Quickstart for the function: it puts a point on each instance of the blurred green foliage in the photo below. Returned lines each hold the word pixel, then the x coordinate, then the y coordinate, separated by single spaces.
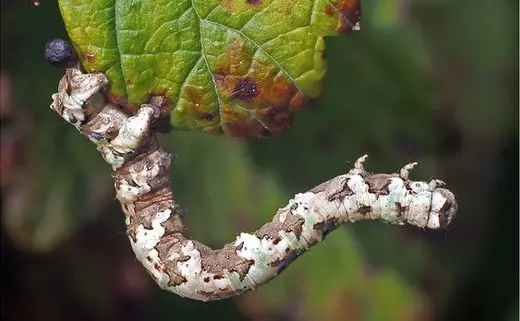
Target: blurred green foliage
pixel 432 81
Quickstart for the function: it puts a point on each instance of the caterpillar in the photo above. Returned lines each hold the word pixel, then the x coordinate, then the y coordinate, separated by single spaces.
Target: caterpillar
pixel 154 221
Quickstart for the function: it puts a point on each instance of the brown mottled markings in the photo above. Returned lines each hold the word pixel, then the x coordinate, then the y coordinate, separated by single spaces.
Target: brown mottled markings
pixel 327 226
pixel 401 210
pixel 293 223
pixel 208 294
pixel 284 262
pixel 339 186
pixel 364 209
pixel 216 261
pixel 184 258
pixel 378 183
pixel 175 279
pixel 274 118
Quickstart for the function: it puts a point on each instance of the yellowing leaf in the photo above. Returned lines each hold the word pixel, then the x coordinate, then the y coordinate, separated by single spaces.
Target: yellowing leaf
pixel 236 66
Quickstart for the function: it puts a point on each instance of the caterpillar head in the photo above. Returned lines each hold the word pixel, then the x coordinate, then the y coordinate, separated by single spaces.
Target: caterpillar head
pixel 443 209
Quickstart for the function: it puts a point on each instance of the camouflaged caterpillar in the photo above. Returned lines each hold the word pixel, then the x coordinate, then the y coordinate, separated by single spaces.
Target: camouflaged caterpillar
pixel 188 268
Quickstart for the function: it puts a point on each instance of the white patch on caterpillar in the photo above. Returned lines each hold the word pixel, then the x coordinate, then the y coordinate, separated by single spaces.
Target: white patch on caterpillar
pixel 419 203
pixel 387 204
pixel 138 185
pixel 127 192
pixel 154 265
pixel 199 284
pixel 147 239
pixel 307 209
pixel 433 221
pixel 262 253
pixel 145 175
pixel 133 131
pixel 438 201
pixel 110 157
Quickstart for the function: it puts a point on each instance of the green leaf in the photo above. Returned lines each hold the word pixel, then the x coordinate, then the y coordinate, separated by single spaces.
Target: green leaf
pixel 235 66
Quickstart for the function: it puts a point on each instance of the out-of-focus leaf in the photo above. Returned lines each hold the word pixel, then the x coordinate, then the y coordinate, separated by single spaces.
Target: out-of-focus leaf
pixel 235 66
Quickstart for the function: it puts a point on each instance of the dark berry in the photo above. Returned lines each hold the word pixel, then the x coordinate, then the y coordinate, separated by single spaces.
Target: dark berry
pixel 60 53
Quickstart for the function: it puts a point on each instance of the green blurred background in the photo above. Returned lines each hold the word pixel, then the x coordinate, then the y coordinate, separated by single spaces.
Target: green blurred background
pixel 425 80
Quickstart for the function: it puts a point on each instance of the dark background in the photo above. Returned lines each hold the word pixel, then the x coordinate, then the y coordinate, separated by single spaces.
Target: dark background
pixel 432 81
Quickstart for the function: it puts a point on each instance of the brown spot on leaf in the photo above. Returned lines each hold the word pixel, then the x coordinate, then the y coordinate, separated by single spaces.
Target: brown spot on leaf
pixel 90 57
pixel 329 9
pixel 254 2
pixel 246 89
pixel 275 118
pixel 117 99
pixel 239 122
pixel 350 15
pixel 255 100
pixel 194 94
pixel 208 116
pixel 300 101
pixel 235 59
